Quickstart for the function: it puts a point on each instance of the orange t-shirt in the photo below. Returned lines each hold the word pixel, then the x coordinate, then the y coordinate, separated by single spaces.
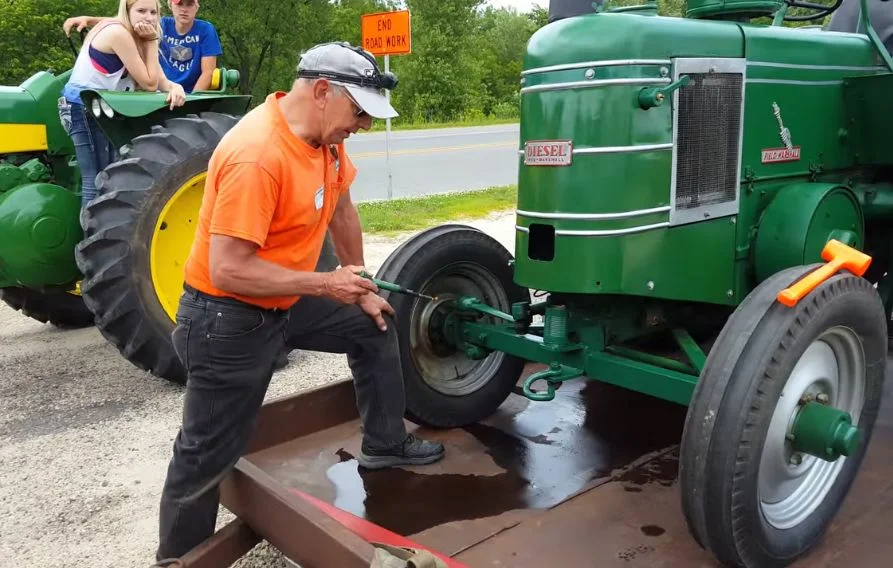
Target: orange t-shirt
pixel 268 186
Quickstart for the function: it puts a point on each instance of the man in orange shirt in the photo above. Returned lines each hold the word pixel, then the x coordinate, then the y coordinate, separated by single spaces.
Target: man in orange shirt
pixel 276 183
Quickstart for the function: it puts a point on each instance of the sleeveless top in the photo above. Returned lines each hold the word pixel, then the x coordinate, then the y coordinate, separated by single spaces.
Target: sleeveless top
pixel 94 69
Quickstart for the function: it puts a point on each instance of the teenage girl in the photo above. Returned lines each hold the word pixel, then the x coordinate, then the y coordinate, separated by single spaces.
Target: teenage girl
pixel 119 54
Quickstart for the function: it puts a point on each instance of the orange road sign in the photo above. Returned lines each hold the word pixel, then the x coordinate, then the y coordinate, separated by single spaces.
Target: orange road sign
pixel 387 33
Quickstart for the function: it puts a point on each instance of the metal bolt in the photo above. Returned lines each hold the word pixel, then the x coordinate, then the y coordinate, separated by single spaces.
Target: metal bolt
pixel 732 221
pixel 664 71
pixel 713 69
pixel 822 397
pixel 590 73
pixel 806 398
pixel 650 285
pixel 730 293
pixel 796 459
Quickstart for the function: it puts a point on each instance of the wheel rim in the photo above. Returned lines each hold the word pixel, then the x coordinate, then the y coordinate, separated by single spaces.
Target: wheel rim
pixel 834 364
pixel 172 240
pixel 441 366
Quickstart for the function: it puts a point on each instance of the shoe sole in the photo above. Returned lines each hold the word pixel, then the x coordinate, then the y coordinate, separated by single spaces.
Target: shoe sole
pixel 379 462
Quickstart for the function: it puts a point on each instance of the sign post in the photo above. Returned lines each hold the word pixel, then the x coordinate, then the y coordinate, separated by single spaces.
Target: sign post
pixel 386 34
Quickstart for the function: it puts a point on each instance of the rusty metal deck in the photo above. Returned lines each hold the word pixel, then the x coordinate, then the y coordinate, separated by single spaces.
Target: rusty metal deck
pixel 585 480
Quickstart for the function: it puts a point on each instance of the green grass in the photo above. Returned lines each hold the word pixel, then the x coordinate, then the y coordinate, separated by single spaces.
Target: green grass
pixel 407 214
pixel 396 124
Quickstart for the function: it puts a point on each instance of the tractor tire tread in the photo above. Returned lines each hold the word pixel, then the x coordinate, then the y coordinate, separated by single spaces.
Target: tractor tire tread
pixel 752 358
pixel 113 256
pixel 412 261
pixel 59 309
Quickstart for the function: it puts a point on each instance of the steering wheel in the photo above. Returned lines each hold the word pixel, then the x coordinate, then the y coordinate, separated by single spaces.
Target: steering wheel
pixel 77 49
pixel 823 10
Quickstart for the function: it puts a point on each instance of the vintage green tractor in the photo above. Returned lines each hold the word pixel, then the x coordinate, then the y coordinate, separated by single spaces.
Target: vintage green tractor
pixel 699 199
pixel 118 263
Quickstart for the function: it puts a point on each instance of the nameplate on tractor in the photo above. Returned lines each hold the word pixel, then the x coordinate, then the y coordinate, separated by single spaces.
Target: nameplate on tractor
pixel 775 155
pixel 548 152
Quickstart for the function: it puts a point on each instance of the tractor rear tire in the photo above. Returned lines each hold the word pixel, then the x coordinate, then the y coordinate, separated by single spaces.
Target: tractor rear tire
pixel 132 268
pixel 61 309
pixel 750 496
pixel 444 388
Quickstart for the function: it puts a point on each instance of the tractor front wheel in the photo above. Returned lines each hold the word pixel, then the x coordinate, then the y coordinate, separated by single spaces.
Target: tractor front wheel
pixel 62 309
pixel 138 233
pixel 444 388
pixel 780 419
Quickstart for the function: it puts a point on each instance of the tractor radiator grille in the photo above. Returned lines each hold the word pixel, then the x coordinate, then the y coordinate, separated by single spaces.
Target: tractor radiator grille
pixel 707 137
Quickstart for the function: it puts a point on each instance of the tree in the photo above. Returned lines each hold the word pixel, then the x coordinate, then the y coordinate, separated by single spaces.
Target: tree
pixel 31 36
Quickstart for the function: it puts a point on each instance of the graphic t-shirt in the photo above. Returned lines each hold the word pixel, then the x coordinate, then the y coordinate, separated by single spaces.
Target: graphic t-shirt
pixel 181 55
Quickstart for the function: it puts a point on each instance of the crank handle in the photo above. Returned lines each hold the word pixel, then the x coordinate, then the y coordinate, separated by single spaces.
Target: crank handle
pixel 655 96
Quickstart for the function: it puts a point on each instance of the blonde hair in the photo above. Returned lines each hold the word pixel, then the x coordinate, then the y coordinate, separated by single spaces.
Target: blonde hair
pixel 123 16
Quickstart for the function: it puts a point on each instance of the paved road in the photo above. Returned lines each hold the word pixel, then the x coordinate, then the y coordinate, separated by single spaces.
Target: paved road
pixel 434 161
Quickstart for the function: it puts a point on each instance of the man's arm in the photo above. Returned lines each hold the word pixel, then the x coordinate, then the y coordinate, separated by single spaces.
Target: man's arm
pixel 203 83
pixel 246 200
pixel 235 267
pixel 210 50
pixel 347 233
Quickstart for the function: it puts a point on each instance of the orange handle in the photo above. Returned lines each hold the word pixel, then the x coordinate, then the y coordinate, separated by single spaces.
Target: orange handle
pixel 790 296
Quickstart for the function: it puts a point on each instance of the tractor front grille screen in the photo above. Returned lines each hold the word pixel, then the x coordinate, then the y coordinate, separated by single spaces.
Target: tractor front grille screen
pixel 708 132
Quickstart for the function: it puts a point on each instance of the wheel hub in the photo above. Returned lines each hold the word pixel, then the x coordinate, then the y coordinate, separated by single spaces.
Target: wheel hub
pixel 824 432
pixel 443 366
pixel 812 431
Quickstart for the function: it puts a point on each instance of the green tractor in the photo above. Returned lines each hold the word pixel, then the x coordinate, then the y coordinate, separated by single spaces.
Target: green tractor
pixel 704 215
pixel 123 271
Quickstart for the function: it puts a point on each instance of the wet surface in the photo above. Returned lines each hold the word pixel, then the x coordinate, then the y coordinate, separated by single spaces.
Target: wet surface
pixel 588 479
pixel 546 451
pixel 652 530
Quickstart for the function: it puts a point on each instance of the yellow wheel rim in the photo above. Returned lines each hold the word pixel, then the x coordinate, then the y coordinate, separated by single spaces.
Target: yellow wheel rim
pixel 172 241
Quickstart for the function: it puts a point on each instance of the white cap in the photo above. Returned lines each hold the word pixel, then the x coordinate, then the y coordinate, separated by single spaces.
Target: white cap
pixel 352 68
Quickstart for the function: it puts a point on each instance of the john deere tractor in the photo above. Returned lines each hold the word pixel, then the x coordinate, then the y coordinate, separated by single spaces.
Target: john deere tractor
pixel 704 215
pixel 123 270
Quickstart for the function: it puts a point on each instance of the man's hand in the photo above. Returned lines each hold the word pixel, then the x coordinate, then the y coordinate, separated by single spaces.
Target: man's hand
pixel 346 286
pixel 374 305
pixel 176 96
pixel 79 22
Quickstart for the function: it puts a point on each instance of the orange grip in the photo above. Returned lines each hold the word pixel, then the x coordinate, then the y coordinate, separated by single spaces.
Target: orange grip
pixel 838 256
pixel 790 296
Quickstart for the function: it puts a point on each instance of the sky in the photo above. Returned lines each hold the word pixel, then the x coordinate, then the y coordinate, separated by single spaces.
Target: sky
pixel 520 5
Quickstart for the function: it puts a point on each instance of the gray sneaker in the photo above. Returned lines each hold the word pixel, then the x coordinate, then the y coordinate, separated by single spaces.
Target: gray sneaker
pixel 413 451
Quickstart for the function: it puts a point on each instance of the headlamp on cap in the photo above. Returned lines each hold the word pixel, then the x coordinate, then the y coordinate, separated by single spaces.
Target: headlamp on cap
pixel 373 79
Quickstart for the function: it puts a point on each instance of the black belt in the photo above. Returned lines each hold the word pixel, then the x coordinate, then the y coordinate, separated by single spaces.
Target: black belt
pixel 196 294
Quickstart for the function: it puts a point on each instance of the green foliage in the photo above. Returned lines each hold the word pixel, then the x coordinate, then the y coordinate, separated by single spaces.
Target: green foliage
pixel 464 68
pixel 31 36
pixel 420 212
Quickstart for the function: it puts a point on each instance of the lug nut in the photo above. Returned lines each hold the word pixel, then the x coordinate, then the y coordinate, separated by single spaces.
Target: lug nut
pixel 796 459
pixel 822 397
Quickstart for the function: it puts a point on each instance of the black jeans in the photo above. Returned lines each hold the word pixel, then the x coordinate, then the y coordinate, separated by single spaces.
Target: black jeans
pixel 229 351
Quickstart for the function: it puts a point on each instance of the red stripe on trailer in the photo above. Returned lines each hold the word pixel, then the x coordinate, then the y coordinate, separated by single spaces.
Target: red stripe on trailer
pixel 372 532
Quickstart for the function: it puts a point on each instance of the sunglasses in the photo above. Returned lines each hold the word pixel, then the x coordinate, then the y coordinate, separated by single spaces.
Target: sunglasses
pixel 360 113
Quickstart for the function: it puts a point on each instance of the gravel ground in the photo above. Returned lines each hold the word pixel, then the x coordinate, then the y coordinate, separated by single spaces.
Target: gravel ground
pixel 85 438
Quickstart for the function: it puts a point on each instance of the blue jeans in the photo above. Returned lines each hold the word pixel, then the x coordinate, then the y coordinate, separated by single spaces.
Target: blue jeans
pixel 93 150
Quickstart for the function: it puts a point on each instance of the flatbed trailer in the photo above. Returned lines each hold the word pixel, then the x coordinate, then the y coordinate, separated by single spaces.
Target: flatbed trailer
pixel 589 479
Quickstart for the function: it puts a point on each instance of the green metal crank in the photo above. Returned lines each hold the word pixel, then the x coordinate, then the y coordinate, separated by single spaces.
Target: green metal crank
pixel 391 287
